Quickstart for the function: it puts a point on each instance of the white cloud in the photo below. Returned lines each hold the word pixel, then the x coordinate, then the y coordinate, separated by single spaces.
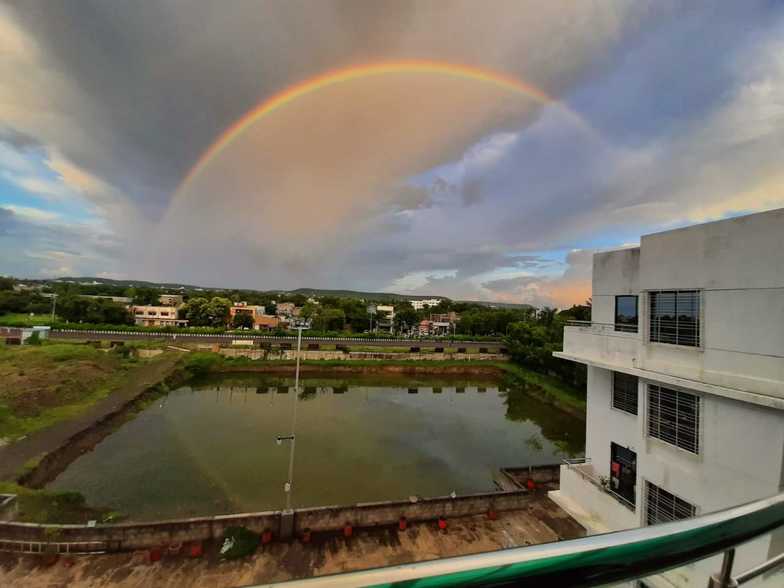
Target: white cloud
pixel 34 215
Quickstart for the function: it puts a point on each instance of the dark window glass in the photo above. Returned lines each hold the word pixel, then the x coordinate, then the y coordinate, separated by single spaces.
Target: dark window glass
pixel 675 317
pixel 624 392
pixel 623 473
pixel 626 314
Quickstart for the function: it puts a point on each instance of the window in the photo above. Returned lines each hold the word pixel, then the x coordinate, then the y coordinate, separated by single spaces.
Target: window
pixel 674 417
pixel 624 396
pixel 626 314
pixel 675 317
pixel 623 473
pixel 663 507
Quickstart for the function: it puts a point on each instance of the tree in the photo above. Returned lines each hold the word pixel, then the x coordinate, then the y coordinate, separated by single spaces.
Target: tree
pixel 146 296
pixel 201 312
pixel 6 283
pixel 218 311
pixel 242 320
pixel 405 316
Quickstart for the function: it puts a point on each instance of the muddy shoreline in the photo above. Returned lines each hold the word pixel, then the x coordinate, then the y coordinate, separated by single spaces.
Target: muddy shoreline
pixel 435 370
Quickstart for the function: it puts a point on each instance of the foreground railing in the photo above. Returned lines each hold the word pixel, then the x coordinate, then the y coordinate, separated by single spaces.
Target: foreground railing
pixel 590 561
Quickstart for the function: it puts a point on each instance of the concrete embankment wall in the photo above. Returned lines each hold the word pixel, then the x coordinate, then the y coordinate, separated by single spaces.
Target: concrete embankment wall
pixel 358 355
pixel 130 536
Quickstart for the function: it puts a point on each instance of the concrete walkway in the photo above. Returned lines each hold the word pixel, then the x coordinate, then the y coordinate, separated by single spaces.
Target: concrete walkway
pixel 542 522
pixel 14 456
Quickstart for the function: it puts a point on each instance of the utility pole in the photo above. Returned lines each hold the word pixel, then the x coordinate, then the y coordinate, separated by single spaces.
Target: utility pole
pixel 54 304
pixel 289 485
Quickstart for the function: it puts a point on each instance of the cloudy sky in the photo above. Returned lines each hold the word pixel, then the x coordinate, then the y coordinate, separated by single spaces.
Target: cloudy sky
pixel 660 114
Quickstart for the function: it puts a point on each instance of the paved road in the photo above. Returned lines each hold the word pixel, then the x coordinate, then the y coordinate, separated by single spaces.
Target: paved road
pixel 491 346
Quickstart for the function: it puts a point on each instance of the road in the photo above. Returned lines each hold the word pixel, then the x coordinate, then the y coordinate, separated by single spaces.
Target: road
pixel 429 344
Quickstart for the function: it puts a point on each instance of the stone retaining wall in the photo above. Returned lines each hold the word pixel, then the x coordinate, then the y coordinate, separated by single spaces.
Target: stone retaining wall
pixel 130 536
pixel 358 355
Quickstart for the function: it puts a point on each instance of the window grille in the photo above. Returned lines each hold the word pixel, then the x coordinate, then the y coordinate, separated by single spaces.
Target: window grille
pixel 624 395
pixel 675 317
pixel 674 417
pixel 663 507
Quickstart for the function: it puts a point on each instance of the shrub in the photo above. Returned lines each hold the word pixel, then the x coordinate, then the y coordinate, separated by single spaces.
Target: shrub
pixel 200 364
pixel 238 542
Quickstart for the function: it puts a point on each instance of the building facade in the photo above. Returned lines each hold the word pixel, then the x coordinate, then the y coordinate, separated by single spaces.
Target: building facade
pixel 156 316
pixel 171 299
pixel 685 396
pixel 426 303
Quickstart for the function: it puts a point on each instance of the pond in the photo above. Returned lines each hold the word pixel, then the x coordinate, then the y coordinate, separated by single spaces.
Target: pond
pixel 210 448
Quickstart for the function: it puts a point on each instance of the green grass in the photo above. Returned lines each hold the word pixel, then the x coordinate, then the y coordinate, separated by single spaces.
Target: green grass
pixel 46 507
pixel 25 320
pixel 74 377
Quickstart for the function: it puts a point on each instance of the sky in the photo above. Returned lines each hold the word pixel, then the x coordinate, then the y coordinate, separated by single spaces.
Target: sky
pixel 637 117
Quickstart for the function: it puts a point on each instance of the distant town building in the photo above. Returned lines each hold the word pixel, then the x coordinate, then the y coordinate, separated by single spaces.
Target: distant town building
pixel 156 316
pixel 171 299
pixel 385 317
pixel 426 303
pixel 685 394
pixel 286 309
pixel 254 311
pixel 445 317
pixel 18 336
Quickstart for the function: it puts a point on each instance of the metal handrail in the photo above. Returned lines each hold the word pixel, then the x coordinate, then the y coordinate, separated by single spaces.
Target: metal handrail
pixel 589 561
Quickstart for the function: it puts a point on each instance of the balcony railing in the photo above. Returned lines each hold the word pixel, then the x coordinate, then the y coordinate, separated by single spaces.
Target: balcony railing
pixel 594 560
pixel 585 470
pixel 604 328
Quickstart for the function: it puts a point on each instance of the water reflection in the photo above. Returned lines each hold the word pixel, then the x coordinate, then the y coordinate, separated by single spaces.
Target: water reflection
pixel 209 448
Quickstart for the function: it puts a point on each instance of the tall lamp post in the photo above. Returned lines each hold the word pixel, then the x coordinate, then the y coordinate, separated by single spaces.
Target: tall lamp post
pixel 289 485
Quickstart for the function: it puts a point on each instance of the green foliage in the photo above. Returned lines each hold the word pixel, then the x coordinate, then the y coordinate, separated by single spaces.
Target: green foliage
pixel 242 320
pixel 145 296
pixel 34 339
pixel 200 364
pixel 204 312
pixel 243 542
pixel 6 283
pixel 77 309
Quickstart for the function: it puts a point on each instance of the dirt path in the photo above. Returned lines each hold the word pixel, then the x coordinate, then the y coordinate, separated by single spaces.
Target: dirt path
pixel 14 456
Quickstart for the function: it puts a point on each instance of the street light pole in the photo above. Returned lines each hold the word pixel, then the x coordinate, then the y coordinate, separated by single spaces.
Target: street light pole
pixel 290 483
pixel 54 304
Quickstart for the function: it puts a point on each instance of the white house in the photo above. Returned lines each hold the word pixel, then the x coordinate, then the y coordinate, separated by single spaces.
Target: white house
pixel 685 397
pixel 425 303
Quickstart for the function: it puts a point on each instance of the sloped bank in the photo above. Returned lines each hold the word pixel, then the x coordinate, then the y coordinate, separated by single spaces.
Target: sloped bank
pixel 59 458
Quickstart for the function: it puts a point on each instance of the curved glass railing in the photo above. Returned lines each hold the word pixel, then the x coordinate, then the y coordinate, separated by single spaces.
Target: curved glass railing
pixel 591 561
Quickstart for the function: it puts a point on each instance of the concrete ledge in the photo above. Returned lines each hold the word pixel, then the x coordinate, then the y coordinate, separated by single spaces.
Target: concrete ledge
pixel 130 536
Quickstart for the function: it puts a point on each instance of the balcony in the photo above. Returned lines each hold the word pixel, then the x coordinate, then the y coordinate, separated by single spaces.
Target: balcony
pixel 750 377
pixel 588 498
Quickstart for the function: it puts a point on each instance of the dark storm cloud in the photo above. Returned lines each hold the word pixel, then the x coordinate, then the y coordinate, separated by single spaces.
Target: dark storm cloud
pixel 123 98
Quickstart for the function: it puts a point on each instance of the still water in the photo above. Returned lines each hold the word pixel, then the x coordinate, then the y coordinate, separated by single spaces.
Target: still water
pixel 210 448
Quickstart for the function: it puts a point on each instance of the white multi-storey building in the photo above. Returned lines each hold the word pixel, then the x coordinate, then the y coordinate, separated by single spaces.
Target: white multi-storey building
pixel 425 303
pixel 685 396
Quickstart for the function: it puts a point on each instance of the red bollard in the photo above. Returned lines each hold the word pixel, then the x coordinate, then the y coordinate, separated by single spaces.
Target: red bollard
pixel 306 536
pixel 442 523
pixel 492 515
pixel 531 485
pixel 348 530
pixel 403 524
pixel 155 554
pixel 266 537
pixel 196 550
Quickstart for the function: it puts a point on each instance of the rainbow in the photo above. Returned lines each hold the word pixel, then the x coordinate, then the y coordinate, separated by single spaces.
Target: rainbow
pixel 349 74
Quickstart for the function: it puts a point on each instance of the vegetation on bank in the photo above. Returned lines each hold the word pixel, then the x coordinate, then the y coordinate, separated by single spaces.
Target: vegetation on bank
pixel 44 384
pixel 48 507
pixel 547 387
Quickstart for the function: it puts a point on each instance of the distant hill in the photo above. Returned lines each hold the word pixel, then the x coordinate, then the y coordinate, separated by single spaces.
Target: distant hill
pixel 316 292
